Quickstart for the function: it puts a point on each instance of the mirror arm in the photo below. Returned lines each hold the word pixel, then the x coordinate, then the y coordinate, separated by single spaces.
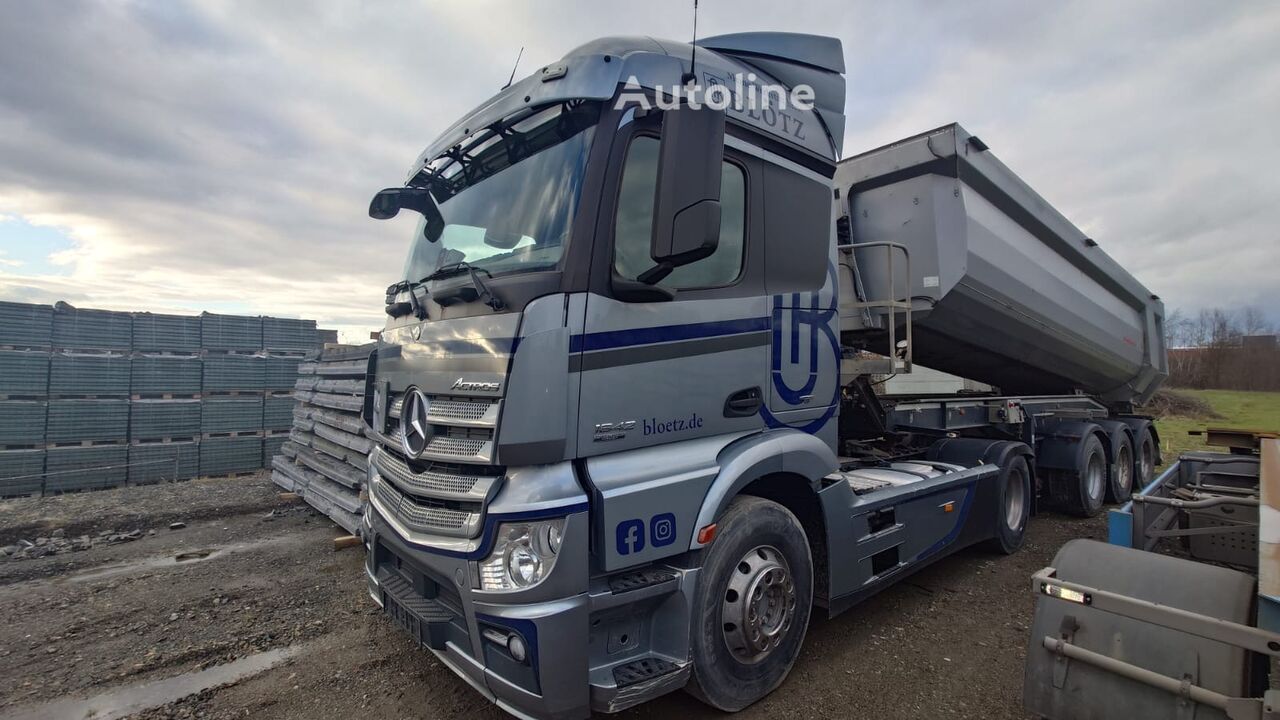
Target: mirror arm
pixel 655 274
pixel 628 290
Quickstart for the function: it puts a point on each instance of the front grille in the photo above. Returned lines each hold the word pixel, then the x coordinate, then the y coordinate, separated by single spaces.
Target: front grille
pixel 457 409
pixel 423 516
pixel 446 410
pixel 455 447
pixel 447 482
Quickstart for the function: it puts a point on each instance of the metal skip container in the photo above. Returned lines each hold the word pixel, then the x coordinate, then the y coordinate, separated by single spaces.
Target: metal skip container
pixel 1004 289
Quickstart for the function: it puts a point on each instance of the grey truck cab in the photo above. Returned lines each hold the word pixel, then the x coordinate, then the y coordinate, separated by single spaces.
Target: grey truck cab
pixel 625 437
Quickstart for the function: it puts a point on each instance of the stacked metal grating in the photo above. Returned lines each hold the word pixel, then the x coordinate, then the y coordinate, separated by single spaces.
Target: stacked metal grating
pixel 280 371
pixel 87 421
pixel 168 333
pixel 24 373
pixel 325 458
pixel 230 455
pixel 158 419
pixel 91 329
pixel 225 372
pixel 288 334
pixel 25 326
pixel 151 463
pixel 89 374
pixel 22 423
pixel 92 399
pixel 231 414
pixel 230 332
pixel 165 375
pixel 73 469
pixel 21 472
pixel 277 412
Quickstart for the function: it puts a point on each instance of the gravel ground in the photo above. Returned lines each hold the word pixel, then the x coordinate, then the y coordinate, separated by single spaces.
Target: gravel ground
pixel 261 574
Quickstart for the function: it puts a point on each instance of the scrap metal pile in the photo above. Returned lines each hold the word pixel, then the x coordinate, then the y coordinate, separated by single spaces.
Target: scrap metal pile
pixel 324 459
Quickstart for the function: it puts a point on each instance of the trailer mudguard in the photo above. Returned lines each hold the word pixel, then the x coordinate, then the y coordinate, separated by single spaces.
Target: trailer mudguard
pixel 1061 444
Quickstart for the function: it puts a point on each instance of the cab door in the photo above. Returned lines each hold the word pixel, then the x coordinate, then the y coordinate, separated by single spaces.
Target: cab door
pixel 656 372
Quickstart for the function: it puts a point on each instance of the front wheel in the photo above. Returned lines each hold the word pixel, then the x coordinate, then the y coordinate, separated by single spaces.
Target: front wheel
pixel 755 592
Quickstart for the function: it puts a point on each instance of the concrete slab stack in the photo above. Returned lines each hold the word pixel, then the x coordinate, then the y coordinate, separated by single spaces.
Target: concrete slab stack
pixel 325 457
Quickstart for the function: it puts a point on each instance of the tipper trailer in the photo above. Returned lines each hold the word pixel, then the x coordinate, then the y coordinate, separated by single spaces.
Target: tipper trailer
pixel 625 422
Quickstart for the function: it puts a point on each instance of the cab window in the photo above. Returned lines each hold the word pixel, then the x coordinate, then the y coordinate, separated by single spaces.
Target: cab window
pixel 633 224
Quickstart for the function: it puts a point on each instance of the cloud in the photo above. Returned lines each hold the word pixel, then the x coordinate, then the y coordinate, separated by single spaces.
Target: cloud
pixel 204 153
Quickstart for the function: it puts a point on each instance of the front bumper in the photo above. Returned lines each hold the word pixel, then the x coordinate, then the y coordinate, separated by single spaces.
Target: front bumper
pixel 434 596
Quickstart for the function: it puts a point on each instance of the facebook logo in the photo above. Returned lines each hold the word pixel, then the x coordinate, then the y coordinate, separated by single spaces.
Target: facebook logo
pixel 630 536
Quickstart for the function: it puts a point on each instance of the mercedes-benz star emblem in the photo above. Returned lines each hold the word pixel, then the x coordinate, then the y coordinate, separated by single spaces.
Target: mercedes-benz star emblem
pixel 415 431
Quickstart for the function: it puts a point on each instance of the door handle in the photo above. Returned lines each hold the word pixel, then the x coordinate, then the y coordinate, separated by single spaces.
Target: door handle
pixel 743 403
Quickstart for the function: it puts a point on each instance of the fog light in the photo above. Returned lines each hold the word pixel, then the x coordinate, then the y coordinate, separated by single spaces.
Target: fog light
pixel 515 646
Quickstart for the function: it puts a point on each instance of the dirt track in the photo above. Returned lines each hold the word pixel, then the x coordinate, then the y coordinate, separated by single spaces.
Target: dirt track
pixel 949 642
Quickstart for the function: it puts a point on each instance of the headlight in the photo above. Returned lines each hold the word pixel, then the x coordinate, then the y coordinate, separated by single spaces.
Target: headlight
pixel 522 556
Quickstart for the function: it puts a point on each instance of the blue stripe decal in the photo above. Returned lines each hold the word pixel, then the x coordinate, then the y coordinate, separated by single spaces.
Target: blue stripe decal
pixel 611 339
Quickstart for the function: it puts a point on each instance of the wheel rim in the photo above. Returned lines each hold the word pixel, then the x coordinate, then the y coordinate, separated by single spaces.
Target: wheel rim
pixel 1014 501
pixel 759 605
pixel 1095 475
pixel 1148 462
pixel 1124 470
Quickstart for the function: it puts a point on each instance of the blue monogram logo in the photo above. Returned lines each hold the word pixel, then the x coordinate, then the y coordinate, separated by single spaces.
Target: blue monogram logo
pixel 812 326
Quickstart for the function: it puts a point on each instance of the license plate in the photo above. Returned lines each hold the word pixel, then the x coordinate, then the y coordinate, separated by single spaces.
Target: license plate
pixel 405 619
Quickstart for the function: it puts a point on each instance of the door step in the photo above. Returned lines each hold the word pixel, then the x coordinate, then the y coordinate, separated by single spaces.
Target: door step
pixel 640 579
pixel 638 671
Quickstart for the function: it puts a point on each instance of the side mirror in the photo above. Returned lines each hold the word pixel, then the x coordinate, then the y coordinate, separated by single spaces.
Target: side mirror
pixel 686 205
pixel 388 203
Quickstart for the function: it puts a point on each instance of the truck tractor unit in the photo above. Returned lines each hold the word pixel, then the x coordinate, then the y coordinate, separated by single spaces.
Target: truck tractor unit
pixel 627 429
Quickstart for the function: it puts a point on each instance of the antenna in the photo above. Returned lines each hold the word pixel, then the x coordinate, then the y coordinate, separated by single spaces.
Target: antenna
pixel 692 76
pixel 513 69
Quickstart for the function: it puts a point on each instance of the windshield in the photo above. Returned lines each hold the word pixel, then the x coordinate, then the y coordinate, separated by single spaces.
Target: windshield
pixel 507 195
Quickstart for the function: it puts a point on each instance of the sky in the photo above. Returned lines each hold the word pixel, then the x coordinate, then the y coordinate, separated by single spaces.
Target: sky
pixel 178 156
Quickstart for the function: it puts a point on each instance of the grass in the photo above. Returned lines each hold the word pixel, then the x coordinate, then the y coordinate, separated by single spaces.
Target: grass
pixel 1238 408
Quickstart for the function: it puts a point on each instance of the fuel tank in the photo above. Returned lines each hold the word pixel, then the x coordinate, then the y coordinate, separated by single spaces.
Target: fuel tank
pixel 1003 288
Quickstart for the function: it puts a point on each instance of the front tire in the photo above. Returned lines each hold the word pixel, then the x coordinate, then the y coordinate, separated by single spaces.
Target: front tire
pixel 754 597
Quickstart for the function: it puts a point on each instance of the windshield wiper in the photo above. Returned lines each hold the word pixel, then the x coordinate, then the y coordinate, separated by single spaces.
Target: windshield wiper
pixel 462 266
pixel 400 309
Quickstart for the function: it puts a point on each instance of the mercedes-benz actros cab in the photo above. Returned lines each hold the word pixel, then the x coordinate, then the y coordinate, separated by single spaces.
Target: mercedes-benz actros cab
pixel 628 433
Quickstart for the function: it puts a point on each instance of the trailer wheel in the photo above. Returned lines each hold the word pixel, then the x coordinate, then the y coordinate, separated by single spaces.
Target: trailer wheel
pixel 1120 479
pixel 1088 488
pixel 753 601
pixel 1146 459
pixel 1014 493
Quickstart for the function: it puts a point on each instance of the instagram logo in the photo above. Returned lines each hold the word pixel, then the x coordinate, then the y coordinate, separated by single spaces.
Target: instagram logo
pixel 662 529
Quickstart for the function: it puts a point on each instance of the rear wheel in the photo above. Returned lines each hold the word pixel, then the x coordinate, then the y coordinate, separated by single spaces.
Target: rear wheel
pixel 1120 479
pixel 1014 493
pixel 1146 459
pixel 1088 488
pixel 754 595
